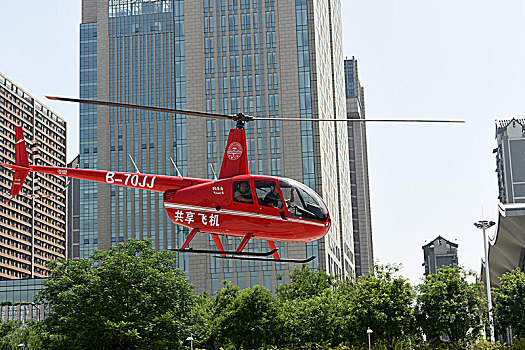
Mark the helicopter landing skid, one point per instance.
(227, 252)
(254, 258)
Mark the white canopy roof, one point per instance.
(508, 250)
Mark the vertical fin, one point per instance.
(235, 161)
(21, 160)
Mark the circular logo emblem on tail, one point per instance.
(234, 151)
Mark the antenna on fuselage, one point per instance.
(213, 171)
(173, 162)
(135, 165)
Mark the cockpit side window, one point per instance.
(302, 202)
(241, 192)
(268, 194)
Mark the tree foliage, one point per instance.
(241, 318)
(128, 297)
(318, 319)
(131, 297)
(384, 302)
(450, 306)
(314, 308)
(509, 303)
(13, 333)
(305, 283)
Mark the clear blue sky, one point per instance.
(420, 59)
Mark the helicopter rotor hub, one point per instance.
(241, 119)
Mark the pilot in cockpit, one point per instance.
(272, 199)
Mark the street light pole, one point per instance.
(484, 225)
(190, 338)
(369, 331)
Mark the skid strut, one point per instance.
(238, 254)
(255, 258)
(189, 238)
(245, 241)
(225, 252)
(220, 249)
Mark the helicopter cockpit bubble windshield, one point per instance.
(302, 201)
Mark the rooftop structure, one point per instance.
(438, 253)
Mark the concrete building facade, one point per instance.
(73, 215)
(358, 158)
(261, 57)
(438, 253)
(33, 224)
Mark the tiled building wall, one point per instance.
(33, 228)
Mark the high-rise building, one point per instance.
(33, 224)
(509, 160)
(358, 157)
(507, 249)
(261, 57)
(439, 253)
(73, 215)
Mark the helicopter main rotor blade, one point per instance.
(240, 116)
(145, 108)
(364, 120)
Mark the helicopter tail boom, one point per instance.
(148, 182)
(156, 183)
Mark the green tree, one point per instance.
(14, 333)
(384, 302)
(309, 309)
(318, 319)
(128, 297)
(449, 305)
(509, 303)
(241, 318)
(305, 283)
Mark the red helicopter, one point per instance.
(236, 204)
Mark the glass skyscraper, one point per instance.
(261, 57)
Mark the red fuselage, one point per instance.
(210, 207)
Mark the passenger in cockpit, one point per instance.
(243, 194)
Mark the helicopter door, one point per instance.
(269, 198)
